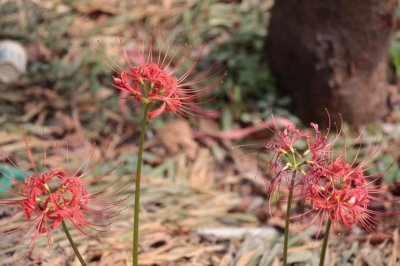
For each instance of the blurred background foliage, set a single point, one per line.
(62, 37)
(68, 82)
(67, 75)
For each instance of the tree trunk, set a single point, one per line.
(332, 54)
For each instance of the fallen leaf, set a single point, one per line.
(201, 172)
(245, 258)
(177, 136)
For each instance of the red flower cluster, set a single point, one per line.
(152, 79)
(336, 189)
(55, 196)
(342, 194)
(288, 161)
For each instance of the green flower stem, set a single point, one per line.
(288, 211)
(73, 245)
(137, 187)
(325, 243)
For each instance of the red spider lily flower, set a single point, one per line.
(152, 78)
(296, 154)
(295, 151)
(319, 145)
(343, 193)
(58, 195)
(287, 159)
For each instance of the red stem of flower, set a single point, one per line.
(137, 187)
(287, 218)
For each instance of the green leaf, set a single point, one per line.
(6, 175)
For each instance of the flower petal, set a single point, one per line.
(156, 112)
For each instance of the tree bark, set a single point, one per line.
(332, 54)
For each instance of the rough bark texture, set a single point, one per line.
(332, 54)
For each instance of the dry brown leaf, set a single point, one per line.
(44, 95)
(181, 168)
(151, 227)
(394, 258)
(32, 109)
(106, 6)
(199, 250)
(225, 260)
(177, 136)
(166, 4)
(33, 143)
(80, 26)
(37, 51)
(154, 256)
(245, 258)
(176, 254)
(246, 164)
(201, 172)
(7, 138)
(211, 211)
(276, 261)
(151, 239)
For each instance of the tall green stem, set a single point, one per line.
(137, 187)
(73, 245)
(288, 211)
(325, 243)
